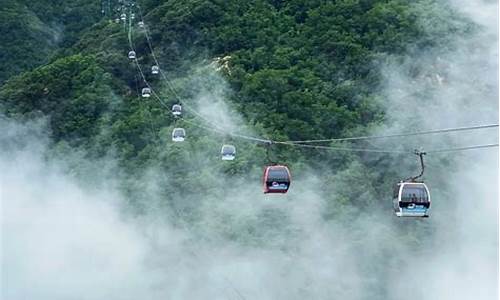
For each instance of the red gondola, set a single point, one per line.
(276, 179)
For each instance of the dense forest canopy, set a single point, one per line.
(295, 70)
(280, 70)
(298, 69)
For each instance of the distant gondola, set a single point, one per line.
(276, 179)
(176, 110)
(146, 92)
(178, 135)
(228, 152)
(131, 55)
(155, 70)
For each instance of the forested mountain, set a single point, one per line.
(297, 69)
(35, 30)
(272, 69)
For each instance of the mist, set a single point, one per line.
(65, 238)
(453, 88)
(61, 239)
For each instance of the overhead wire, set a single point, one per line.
(349, 149)
(165, 77)
(299, 143)
(234, 288)
(463, 148)
(139, 68)
(217, 129)
(334, 148)
(214, 127)
(370, 137)
(294, 143)
(220, 131)
(304, 143)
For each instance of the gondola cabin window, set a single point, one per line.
(414, 195)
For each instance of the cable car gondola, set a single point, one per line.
(411, 198)
(155, 69)
(123, 17)
(178, 135)
(176, 110)
(131, 55)
(146, 92)
(276, 179)
(141, 24)
(228, 152)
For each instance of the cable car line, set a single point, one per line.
(348, 149)
(218, 129)
(463, 148)
(339, 148)
(139, 68)
(165, 77)
(304, 143)
(223, 132)
(178, 134)
(268, 142)
(411, 198)
(176, 95)
(397, 134)
(228, 281)
(156, 96)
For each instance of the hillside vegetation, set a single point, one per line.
(295, 70)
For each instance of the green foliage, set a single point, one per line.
(34, 30)
(72, 91)
(27, 40)
(298, 69)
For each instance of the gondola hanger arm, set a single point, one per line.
(420, 154)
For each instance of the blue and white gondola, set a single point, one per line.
(411, 199)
